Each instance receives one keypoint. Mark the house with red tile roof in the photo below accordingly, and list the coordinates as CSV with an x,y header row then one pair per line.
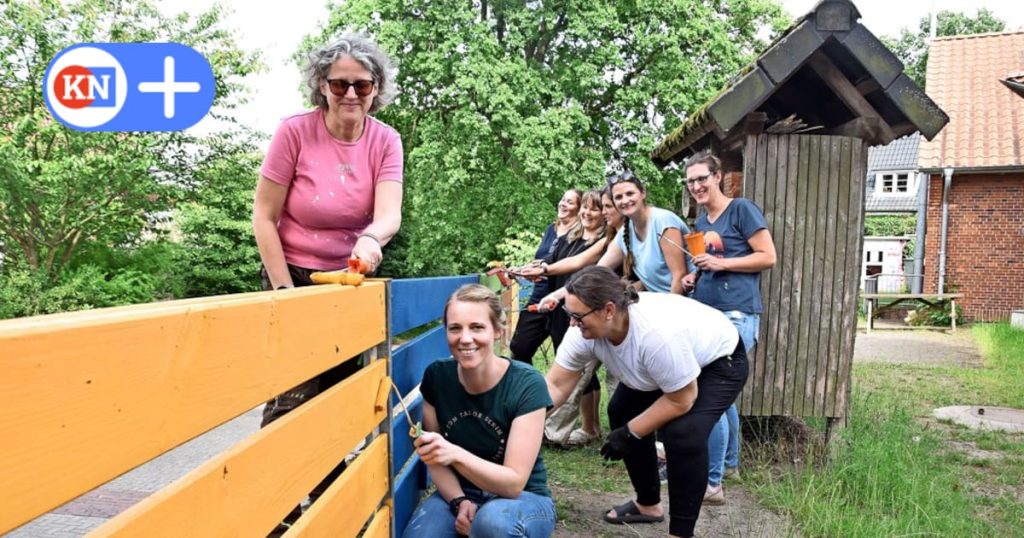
x,y
975,167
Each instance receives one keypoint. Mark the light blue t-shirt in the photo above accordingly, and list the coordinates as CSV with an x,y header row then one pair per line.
x,y
648,259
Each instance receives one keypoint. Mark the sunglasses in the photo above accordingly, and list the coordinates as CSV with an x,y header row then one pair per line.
x,y
699,180
340,87
622,177
578,318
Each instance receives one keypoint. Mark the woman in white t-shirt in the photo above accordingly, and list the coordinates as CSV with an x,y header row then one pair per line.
x,y
680,364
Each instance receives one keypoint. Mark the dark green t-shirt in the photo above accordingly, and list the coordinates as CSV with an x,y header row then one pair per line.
x,y
480,423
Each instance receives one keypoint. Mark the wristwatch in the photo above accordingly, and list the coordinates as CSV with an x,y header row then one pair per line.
x,y
454,504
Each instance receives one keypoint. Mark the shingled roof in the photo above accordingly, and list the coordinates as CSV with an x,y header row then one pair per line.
x,y
973,77
827,74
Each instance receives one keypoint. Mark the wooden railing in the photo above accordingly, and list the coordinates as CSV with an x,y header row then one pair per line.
x,y
91,395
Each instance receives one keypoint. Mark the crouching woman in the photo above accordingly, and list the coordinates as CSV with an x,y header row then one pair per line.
x,y
483,417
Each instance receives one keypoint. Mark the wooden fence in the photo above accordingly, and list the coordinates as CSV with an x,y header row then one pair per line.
x,y
91,395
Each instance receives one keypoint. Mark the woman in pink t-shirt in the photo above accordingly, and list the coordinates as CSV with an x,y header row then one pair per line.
x,y
331,183
330,189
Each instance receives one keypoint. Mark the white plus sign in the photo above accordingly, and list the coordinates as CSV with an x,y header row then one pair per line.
x,y
169,87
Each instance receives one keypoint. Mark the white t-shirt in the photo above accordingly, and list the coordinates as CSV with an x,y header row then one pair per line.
x,y
670,338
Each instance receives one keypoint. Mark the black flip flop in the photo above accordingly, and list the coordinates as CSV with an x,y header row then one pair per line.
x,y
628,513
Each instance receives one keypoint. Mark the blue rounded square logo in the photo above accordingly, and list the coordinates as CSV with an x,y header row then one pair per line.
x,y
129,87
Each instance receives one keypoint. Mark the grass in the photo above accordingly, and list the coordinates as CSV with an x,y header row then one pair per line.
x,y
894,471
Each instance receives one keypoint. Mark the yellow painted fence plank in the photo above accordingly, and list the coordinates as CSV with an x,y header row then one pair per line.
x,y
91,395
247,490
380,527
346,505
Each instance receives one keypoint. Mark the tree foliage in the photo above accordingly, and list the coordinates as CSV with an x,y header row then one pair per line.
x,y
911,45
504,105
86,217
61,188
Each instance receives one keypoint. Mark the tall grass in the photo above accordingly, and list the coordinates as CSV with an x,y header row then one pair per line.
x,y
893,472
1003,349
885,477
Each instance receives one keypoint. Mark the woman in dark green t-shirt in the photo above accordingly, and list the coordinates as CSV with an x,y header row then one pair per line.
x,y
483,417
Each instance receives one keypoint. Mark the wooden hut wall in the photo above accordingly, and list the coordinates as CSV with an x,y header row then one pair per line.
x,y
811,188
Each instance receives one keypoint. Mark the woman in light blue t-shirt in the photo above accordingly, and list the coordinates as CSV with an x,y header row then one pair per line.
x,y
648,248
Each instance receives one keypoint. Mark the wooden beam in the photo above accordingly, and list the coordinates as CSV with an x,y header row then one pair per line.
x,y
871,130
867,86
846,91
753,123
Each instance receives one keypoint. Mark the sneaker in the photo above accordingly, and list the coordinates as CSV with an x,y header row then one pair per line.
x,y
714,495
579,437
732,473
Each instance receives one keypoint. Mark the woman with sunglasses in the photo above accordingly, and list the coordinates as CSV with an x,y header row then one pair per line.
x,y
483,417
680,364
738,247
330,186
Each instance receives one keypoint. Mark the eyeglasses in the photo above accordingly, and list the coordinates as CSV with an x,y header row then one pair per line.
x,y
578,318
699,180
340,87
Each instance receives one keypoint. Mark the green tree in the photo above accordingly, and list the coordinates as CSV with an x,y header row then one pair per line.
x,y
218,252
504,105
85,217
61,188
911,45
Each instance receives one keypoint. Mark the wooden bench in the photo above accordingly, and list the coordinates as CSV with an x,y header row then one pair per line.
x,y
933,300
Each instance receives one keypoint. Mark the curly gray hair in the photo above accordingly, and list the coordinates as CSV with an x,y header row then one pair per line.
x,y
363,50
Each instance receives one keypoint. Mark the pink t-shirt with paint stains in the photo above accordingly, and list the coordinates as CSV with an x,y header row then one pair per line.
x,y
330,186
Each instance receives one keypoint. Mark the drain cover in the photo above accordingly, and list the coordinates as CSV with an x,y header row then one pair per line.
x,y
983,417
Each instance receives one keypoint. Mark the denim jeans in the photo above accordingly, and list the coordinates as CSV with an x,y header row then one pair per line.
x,y
527,515
724,441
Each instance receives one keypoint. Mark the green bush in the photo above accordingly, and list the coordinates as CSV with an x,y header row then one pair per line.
x,y
99,277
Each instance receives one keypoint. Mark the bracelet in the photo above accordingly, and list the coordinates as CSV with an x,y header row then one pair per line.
x,y
370,235
454,504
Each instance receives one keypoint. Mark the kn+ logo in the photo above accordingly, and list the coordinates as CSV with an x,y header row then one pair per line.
x,y
128,87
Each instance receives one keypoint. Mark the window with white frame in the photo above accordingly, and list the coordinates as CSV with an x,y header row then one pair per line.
x,y
895,183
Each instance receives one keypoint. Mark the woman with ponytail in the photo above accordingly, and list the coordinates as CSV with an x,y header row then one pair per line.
x,y
680,364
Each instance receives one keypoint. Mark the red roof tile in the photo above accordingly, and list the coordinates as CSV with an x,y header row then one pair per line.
x,y
986,118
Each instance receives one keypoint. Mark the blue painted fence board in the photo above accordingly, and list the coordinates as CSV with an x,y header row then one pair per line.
x,y
401,443
411,359
417,301
409,487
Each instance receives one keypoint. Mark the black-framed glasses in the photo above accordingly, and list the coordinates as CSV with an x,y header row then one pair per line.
x,y
340,87
699,180
578,318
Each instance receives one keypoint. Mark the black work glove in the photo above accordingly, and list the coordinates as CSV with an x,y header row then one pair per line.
x,y
618,444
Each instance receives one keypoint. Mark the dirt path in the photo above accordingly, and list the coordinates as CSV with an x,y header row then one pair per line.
x,y
580,514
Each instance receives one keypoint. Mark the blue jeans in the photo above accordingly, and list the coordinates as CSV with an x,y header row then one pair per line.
x,y
724,441
527,515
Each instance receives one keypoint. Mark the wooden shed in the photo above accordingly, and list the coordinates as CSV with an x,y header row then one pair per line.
x,y
793,130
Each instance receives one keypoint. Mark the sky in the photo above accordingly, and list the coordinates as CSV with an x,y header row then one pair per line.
x,y
275,28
